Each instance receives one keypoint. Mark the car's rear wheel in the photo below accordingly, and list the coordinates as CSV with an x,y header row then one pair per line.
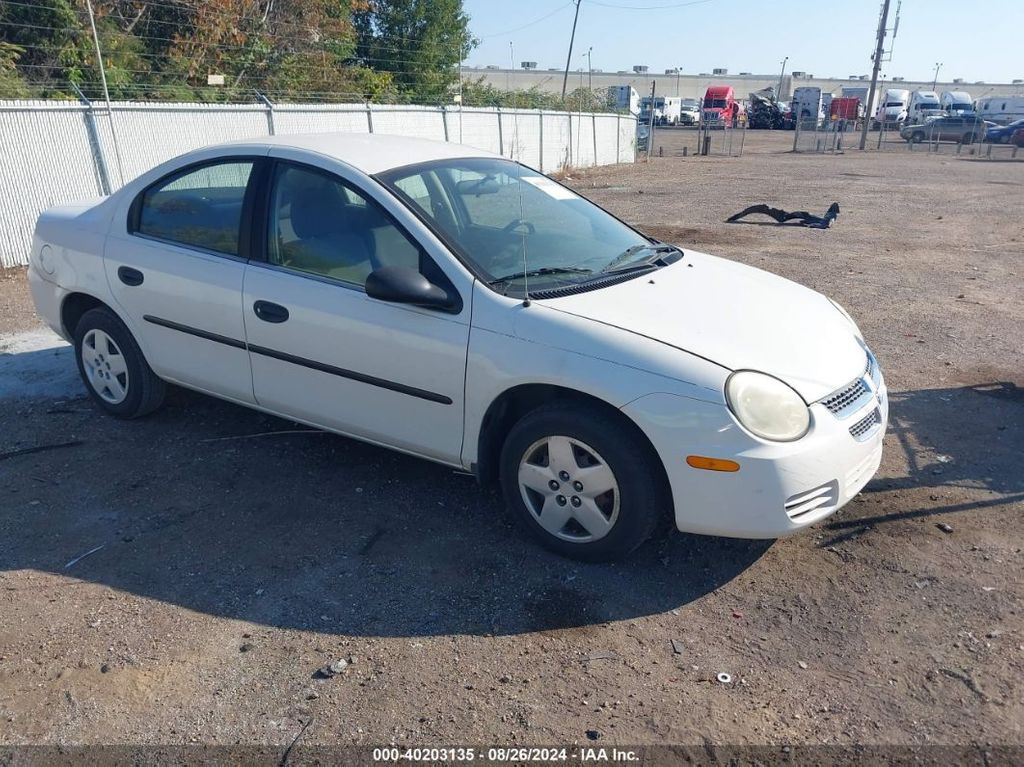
x,y
582,481
113,368
968,138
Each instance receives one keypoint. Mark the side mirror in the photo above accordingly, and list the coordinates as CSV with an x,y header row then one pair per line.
x,y
403,285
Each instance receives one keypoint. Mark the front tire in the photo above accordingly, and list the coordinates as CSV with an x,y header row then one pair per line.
x,y
917,137
113,368
582,481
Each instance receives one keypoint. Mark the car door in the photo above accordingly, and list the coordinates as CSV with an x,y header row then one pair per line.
x,y
175,266
324,352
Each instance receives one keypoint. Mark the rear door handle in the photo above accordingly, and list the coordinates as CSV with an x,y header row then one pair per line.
x,y
129,276
270,312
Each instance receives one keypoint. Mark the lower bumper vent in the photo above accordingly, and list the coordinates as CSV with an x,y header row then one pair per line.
x,y
813,503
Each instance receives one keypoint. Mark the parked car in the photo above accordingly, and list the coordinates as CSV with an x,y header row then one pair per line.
x,y
455,305
952,128
1001,134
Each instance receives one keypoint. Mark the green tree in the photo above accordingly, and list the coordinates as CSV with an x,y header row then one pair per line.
x,y
420,43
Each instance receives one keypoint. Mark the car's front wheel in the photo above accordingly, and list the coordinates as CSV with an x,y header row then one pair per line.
x,y
113,368
582,481
917,137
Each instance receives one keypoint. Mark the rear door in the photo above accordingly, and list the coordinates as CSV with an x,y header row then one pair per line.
x,y
175,266
322,351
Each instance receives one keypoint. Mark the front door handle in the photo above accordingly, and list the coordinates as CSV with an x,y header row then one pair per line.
x,y
270,312
129,276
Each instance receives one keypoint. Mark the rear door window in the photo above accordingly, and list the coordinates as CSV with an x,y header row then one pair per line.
x,y
198,207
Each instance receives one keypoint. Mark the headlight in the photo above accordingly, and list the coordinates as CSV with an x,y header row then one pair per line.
x,y
766,406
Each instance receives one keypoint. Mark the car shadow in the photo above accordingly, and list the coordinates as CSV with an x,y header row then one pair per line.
x,y
230,512
962,438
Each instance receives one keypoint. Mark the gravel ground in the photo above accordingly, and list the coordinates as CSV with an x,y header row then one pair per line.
x,y
174,580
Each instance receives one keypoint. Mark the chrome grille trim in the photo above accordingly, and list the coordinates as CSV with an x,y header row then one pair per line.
x,y
866,426
849,399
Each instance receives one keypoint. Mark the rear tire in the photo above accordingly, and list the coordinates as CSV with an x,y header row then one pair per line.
x,y
917,137
968,138
583,482
113,368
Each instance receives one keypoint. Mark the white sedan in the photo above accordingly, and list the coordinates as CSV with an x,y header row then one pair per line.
x,y
461,307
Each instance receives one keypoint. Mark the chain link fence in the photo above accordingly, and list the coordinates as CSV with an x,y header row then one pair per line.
x,y
953,136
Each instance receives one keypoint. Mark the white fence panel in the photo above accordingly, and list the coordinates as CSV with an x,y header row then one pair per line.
x,y
607,127
47,160
149,134
555,146
627,139
412,121
521,129
478,128
320,118
59,152
582,140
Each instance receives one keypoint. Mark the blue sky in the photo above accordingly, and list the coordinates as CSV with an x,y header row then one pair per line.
x,y
975,41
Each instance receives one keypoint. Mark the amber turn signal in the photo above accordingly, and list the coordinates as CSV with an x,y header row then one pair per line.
x,y
711,464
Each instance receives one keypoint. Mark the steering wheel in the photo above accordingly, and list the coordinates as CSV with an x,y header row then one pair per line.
x,y
513,225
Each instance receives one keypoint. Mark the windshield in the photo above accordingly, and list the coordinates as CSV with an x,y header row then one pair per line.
x,y
505,219
715,104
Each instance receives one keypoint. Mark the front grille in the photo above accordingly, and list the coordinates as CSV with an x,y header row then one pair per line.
x,y
845,402
822,500
861,430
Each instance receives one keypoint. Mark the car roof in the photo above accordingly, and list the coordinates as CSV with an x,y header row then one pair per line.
x,y
370,152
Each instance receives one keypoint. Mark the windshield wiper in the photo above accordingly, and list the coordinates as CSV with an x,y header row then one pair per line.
x,y
658,250
540,272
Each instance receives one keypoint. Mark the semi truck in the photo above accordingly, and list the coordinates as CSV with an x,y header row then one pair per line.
x,y
719,106
666,109
806,106
892,111
923,104
957,102
624,98
861,93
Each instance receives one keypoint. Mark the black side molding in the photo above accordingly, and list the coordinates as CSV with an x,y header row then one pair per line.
x,y
194,332
322,367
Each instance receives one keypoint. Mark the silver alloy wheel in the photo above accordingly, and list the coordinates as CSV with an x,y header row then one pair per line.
x,y
569,488
105,367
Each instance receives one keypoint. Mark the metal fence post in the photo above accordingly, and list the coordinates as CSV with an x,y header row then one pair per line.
x,y
99,161
501,134
569,117
593,130
270,111
618,138
540,135
369,116
444,121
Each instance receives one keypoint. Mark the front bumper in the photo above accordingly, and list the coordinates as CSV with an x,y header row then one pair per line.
x,y
781,487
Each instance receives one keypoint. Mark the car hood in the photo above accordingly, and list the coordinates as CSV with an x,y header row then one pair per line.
x,y
736,316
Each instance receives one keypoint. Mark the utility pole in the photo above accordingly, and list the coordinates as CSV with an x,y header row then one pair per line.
x,y
679,71
879,48
778,93
590,69
572,39
935,80
106,92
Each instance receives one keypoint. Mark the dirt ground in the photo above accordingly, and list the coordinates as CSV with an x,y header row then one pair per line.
x,y
223,570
